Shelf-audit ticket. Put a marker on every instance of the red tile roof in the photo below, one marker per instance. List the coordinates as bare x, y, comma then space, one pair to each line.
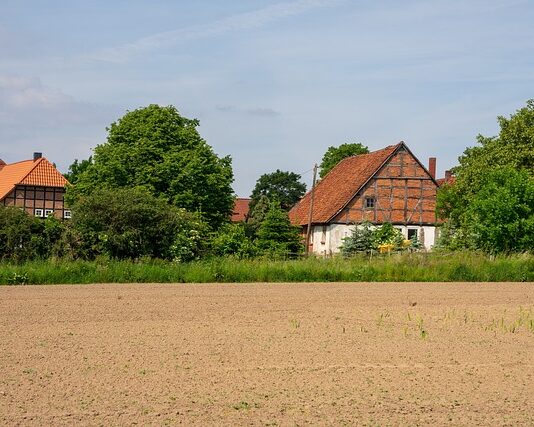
29, 172
339, 186
447, 180
241, 207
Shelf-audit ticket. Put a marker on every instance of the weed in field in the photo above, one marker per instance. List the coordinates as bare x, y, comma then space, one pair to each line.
295, 323
241, 406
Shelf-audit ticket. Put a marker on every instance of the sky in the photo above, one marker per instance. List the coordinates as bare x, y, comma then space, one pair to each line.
273, 83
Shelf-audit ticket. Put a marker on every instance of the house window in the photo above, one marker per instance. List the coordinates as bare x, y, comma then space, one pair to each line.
48, 212
412, 234
38, 213
370, 202
67, 214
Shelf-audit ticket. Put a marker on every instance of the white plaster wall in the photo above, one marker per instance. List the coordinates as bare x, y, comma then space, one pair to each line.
329, 243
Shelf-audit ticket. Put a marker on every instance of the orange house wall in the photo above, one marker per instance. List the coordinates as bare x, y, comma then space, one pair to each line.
404, 194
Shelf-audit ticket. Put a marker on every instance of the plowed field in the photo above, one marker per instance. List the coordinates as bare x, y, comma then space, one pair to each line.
268, 354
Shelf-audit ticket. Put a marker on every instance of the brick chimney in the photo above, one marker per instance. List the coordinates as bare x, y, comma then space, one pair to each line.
37, 156
2, 164
448, 175
432, 166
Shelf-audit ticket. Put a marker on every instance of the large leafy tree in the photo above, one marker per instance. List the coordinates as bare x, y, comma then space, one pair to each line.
283, 187
486, 203
158, 149
335, 154
77, 168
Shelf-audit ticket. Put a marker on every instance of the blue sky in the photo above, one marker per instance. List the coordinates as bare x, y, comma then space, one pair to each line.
274, 83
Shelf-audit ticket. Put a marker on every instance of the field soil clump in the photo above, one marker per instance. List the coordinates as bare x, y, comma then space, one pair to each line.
268, 354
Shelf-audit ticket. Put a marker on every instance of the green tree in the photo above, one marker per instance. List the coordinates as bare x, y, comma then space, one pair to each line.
284, 187
77, 168
361, 240
478, 169
232, 240
335, 154
257, 215
276, 235
500, 217
158, 149
131, 223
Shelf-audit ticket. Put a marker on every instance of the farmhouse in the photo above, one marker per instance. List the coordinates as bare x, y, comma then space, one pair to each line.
388, 185
35, 186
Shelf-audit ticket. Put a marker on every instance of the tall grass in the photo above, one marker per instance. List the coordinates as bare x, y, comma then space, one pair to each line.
394, 268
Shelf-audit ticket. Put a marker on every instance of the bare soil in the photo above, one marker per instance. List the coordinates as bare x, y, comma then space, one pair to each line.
268, 354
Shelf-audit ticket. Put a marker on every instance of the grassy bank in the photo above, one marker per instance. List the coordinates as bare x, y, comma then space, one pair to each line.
394, 268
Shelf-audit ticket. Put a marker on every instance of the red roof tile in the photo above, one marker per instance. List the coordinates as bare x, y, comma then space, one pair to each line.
241, 207
450, 180
29, 172
339, 186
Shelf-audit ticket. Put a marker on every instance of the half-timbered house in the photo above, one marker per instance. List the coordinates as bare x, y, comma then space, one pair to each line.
388, 185
35, 186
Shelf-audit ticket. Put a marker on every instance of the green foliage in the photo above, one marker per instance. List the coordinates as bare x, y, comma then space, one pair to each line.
283, 187
386, 234
361, 240
158, 149
231, 240
403, 267
335, 154
24, 237
256, 216
21, 235
77, 168
276, 236
488, 205
366, 238
131, 223
500, 217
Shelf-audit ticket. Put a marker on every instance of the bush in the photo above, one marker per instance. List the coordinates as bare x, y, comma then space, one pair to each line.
131, 223
21, 235
232, 240
365, 239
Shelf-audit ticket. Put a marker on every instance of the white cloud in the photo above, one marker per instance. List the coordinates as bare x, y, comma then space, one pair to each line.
36, 117
243, 21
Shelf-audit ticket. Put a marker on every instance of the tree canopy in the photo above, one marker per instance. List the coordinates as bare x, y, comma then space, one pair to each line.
335, 154
281, 186
276, 235
490, 204
161, 151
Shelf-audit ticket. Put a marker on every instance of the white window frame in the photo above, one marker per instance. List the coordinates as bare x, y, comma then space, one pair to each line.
48, 212
67, 214
38, 213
